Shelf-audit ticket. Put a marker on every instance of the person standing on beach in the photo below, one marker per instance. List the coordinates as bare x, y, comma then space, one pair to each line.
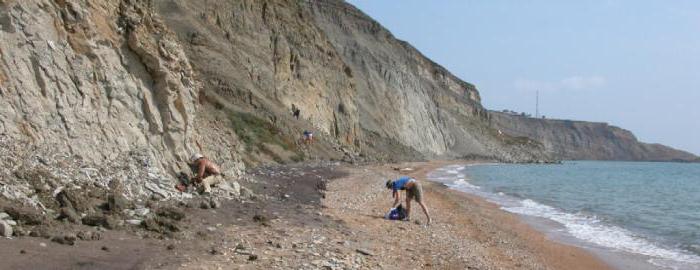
413, 191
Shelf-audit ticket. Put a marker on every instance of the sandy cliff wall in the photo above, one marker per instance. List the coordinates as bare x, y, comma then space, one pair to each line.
403, 96
578, 140
95, 92
357, 86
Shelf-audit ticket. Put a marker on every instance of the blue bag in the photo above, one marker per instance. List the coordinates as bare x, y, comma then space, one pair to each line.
397, 213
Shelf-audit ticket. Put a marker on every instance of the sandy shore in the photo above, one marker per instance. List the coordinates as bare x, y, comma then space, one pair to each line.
318, 217
468, 232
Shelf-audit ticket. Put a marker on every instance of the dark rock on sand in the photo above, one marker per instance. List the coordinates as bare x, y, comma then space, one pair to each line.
100, 220
260, 218
65, 240
170, 212
160, 225
40, 231
23, 215
215, 251
204, 205
69, 214
213, 203
89, 236
365, 252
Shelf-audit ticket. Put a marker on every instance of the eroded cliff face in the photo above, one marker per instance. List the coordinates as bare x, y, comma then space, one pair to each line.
403, 96
578, 140
90, 87
360, 89
97, 92
126, 90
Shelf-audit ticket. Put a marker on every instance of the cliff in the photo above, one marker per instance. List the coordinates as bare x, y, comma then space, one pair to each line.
98, 92
363, 91
95, 92
579, 140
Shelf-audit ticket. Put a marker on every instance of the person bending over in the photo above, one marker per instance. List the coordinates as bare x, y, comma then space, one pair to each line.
413, 191
208, 173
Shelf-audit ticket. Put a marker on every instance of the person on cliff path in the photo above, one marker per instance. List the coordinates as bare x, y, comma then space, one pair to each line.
208, 173
308, 137
414, 191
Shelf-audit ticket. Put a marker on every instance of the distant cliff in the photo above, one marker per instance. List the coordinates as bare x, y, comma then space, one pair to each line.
578, 140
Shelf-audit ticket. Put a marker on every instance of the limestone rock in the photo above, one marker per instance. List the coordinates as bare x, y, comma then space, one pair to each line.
5, 229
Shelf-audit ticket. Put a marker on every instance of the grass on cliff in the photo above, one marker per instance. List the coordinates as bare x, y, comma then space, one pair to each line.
255, 132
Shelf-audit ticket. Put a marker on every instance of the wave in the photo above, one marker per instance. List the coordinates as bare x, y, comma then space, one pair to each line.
588, 228
462, 184
593, 230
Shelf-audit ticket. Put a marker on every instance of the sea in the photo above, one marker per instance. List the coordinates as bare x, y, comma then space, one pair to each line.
634, 215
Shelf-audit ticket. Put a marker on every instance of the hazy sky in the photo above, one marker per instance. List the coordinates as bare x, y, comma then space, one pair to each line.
633, 64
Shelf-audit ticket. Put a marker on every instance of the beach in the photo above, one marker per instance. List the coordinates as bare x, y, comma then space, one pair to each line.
467, 231
320, 217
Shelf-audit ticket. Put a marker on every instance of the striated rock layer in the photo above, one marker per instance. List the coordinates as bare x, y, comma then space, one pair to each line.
579, 140
363, 91
95, 91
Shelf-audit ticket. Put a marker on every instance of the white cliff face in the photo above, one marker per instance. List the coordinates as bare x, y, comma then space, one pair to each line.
96, 80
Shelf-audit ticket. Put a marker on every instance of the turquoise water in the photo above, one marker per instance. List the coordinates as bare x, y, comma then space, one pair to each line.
649, 209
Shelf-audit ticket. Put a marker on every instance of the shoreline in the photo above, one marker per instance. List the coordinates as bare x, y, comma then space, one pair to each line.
558, 254
557, 233
502, 240
319, 217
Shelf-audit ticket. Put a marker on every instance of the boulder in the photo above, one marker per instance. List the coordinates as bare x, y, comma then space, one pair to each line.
69, 214
24, 215
100, 220
117, 202
214, 203
5, 229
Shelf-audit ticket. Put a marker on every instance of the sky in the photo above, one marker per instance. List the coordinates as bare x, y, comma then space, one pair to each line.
631, 63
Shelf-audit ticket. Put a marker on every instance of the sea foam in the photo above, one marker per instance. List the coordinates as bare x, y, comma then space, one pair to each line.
591, 229
587, 228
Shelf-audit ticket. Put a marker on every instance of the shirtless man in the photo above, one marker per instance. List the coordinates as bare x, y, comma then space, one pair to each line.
413, 191
208, 173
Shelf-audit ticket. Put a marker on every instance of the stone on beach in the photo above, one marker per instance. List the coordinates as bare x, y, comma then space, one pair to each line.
5, 229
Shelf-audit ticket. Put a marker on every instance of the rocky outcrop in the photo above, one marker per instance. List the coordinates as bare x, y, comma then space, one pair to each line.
95, 91
95, 80
578, 140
